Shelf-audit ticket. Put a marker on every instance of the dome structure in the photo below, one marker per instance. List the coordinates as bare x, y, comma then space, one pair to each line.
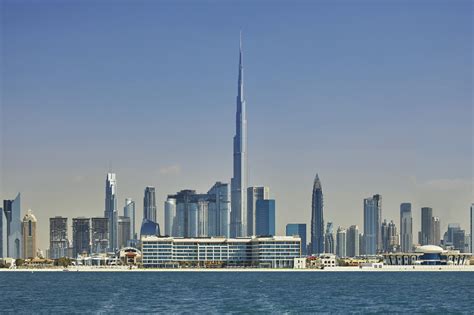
429, 249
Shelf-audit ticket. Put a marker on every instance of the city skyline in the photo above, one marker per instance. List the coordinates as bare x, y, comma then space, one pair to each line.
448, 190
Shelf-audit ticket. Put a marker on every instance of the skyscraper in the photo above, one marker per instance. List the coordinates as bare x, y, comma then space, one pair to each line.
81, 236
341, 242
219, 209
436, 233
3, 234
58, 240
170, 217
129, 211
317, 219
254, 194
29, 235
238, 183
12, 211
426, 234
406, 228
352, 241
149, 204
111, 209
100, 235
329, 242
372, 225
472, 228
300, 230
123, 231
265, 217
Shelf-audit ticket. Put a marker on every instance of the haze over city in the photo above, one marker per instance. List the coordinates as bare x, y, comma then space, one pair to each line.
375, 98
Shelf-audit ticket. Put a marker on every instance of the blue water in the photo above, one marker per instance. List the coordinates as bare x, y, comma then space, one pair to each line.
232, 292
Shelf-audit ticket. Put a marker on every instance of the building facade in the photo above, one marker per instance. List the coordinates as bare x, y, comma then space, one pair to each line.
427, 255
298, 229
238, 182
317, 218
219, 210
111, 212
352, 241
254, 194
58, 238
472, 228
329, 241
100, 235
29, 235
81, 236
426, 234
149, 204
373, 225
12, 224
265, 217
129, 211
270, 252
123, 234
341, 242
170, 217
436, 233
406, 228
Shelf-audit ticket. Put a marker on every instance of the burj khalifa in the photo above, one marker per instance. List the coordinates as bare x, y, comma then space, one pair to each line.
238, 183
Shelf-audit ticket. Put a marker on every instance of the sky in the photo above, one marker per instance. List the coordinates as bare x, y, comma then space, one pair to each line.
374, 96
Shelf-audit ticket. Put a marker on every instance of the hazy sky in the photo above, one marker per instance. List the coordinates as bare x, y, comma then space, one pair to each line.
375, 96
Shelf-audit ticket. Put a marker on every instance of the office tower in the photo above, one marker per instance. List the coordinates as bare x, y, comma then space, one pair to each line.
129, 211
426, 234
341, 242
219, 209
472, 228
265, 217
191, 213
12, 211
372, 225
111, 209
459, 238
80, 236
100, 235
436, 233
3, 235
385, 237
361, 244
123, 231
352, 241
329, 243
298, 229
29, 235
393, 237
254, 194
238, 182
448, 239
406, 228
170, 217
58, 240
149, 204
317, 219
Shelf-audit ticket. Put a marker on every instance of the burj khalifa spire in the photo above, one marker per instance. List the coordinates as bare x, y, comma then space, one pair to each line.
238, 183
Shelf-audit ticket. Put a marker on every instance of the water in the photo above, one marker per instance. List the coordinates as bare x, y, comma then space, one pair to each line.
233, 292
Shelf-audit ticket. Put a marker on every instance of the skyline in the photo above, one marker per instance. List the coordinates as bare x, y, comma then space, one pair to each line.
25, 152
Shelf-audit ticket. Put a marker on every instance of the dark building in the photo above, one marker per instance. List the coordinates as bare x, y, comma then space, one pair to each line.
265, 217
58, 240
300, 230
149, 204
317, 218
426, 234
100, 235
81, 236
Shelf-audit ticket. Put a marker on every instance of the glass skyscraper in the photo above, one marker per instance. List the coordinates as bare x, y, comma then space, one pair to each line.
426, 234
58, 240
254, 194
12, 224
317, 218
329, 242
149, 204
352, 241
111, 209
472, 228
300, 230
81, 238
406, 228
372, 225
265, 217
100, 235
129, 211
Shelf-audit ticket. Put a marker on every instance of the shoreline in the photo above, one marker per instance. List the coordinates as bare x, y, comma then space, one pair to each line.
466, 268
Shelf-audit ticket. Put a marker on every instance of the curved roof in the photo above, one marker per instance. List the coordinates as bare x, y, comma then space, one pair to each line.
149, 228
29, 216
429, 249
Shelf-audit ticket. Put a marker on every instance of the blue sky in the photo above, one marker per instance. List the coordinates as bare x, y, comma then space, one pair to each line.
374, 96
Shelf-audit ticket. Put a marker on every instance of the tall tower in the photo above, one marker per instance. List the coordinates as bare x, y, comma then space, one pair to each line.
149, 204
29, 235
239, 180
111, 209
317, 219
406, 227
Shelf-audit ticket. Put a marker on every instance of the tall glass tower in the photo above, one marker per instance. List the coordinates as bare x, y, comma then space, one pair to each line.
149, 204
238, 183
406, 227
317, 219
111, 209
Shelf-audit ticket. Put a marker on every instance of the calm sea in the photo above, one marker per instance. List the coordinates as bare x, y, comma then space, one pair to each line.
233, 292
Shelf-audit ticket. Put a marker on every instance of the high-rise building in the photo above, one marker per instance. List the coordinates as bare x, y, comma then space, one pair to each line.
29, 235
341, 242
436, 233
448, 239
238, 183
149, 204
352, 241
111, 209
100, 235
406, 228
12, 211
472, 228
129, 211
426, 234
170, 217
317, 218
373, 225
3, 234
123, 231
329, 242
265, 217
254, 194
58, 240
81, 236
219, 209
459, 238
298, 229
